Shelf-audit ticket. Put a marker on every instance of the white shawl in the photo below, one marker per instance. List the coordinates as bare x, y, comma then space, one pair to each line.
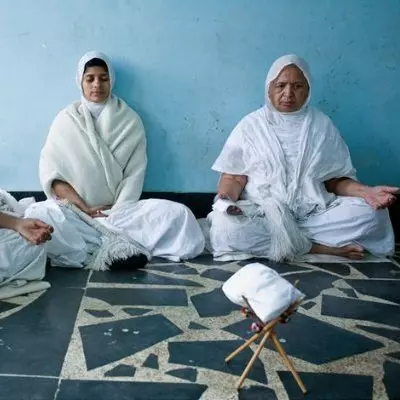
103, 160
253, 149
11, 206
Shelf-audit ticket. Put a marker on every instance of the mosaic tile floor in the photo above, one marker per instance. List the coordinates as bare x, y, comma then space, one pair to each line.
163, 333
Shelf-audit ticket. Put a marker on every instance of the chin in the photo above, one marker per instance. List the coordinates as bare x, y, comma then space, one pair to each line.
98, 100
288, 109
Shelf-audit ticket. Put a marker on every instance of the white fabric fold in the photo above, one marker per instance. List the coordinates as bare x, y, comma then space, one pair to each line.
10, 205
222, 205
20, 262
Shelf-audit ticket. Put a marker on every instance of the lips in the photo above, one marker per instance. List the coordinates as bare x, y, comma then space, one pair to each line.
287, 104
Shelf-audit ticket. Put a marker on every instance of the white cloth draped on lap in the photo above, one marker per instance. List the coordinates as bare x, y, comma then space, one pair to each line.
165, 228
158, 228
81, 240
72, 241
104, 160
347, 220
20, 261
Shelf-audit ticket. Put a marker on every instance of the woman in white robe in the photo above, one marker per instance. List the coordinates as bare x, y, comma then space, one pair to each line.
95, 159
288, 186
22, 249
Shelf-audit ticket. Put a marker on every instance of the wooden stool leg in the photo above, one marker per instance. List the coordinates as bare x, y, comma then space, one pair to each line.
287, 362
253, 359
265, 329
242, 347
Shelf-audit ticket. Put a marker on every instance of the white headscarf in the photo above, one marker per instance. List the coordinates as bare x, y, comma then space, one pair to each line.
94, 108
275, 70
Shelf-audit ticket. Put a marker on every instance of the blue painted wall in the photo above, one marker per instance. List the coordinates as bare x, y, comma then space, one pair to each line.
193, 68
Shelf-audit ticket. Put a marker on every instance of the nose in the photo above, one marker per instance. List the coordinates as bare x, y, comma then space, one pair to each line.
96, 83
289, 90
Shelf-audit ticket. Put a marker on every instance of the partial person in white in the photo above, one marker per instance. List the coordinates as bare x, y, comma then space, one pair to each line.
287, 184
22, 248
95, 158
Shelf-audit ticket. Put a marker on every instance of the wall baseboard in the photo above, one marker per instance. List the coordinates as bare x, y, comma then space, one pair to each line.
200, 203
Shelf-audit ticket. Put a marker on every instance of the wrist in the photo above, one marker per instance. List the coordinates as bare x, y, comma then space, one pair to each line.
222, 196
363, 191
8, 221
84, 209
82, 206
13, 223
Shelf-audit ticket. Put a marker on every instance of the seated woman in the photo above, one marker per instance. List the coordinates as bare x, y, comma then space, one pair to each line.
95, 157
22, 250
288, 186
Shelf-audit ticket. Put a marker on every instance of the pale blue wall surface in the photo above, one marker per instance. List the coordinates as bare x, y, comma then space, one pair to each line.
192, 69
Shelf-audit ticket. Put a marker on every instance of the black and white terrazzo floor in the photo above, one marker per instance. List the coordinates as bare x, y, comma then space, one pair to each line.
163, 333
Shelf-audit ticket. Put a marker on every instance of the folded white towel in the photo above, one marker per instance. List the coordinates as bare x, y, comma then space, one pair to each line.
266, 291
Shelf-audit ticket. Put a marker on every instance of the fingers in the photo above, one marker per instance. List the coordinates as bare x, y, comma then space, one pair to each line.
34, 239
356, 255
383, 201
42, 225
355, 247
41, 238
96, 212
99, 214
392, 199
390, 189
355, 252
386, 201
103, 208
40, 234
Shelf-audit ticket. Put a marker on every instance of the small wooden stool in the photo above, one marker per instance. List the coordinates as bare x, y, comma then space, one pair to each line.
267, 331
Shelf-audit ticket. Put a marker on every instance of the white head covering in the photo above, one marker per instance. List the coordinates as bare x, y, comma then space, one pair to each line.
275, 70
94, 108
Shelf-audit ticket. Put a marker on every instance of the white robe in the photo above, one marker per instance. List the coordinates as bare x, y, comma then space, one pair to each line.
104, 160
22, 265
285, 203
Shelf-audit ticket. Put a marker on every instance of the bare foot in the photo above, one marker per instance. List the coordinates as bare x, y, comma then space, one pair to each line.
352, 251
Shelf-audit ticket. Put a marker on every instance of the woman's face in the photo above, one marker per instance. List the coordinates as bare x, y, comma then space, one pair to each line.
96, 84
289, 91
